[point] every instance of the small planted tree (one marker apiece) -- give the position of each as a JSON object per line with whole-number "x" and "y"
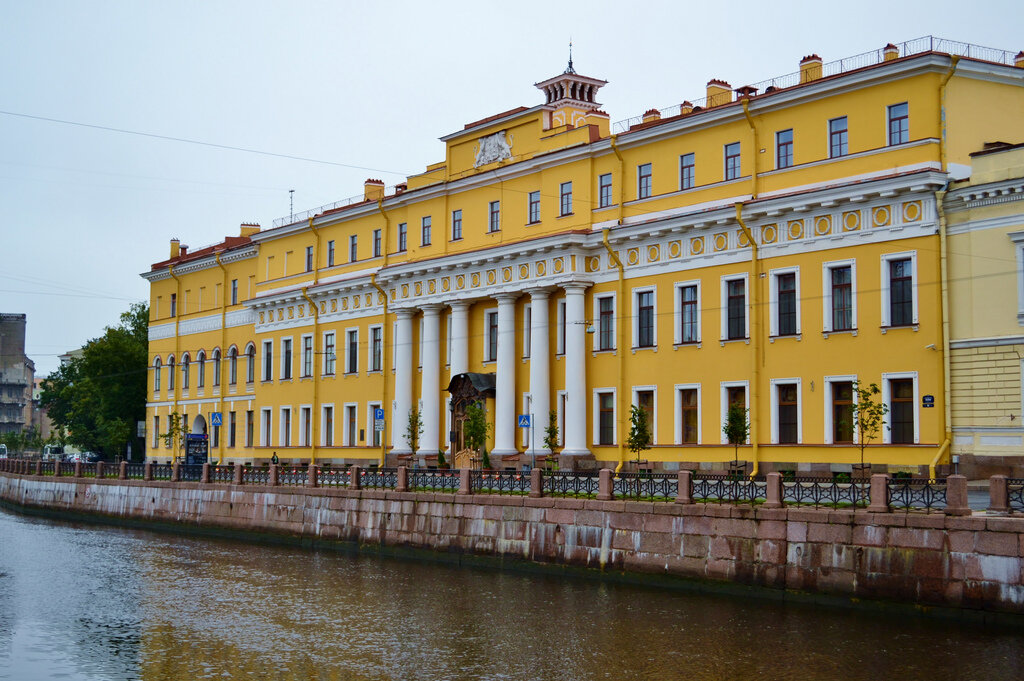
{"x": 475, "y": 429}
{"x": 176, "y": 431}
{"x": 639, "y": 438}
{"x": 736, "y": 428}
{"x": 551, "y": 432}
{"x": 413, "y": 429}
{"x": 868, "y": 414}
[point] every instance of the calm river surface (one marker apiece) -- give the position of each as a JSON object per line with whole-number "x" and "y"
{"x": 96, "y": 603}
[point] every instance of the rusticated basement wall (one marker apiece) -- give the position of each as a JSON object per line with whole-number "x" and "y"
{"x": 961, "y": 562}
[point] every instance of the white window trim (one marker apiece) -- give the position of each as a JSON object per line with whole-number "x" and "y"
{"x": 560, "y": 327}
{"x": 344, "y": 426}
{"x": 773, "y": 297}
{"x": 677, "y": 316}
{"x": 370, "y": 406}
{"x": 527, "y": 338}
{"x": 303, "y": 442}
{"x": 886, "y": 298}
{"x": 323, "y": 425}
{"x": 635, "y": 315}
{"x": 596, "y": 342}
{"x": 725, "y": 279}
{"x": 724, "y": 403}
{"x": 281, "y": 342}
{"x": 487, "y": 333}
{"x": 775, "y": 383}
{"x": 347, "y": 332}
{"x": 302, "y": 360}
{"x": 829, "y": 380}
{"x": 654, "y": 424}
{"x": 596, "y": 416}
{"x": 678, "y": 405}
{"x": 284, "y": 435}
{"x": 156, "y": 431}
{"x": 369, "y": 348}
{"x": 1018, "y": 246}
{"x": 561, "y": 396}
{"x": 325, "y": 358}
{"x": 266, "y": 426}
{"x": 887, "y": 395}
{"x": 263, "y": 368}
{"x": 826, "y": 297}
{"x": 638, "y": 176}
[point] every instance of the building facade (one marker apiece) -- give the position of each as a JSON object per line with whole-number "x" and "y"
{"x": 769, "y": 246}
{"x": 17, "y": 373}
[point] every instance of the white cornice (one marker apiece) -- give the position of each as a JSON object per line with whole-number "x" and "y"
{"x": 987, "y": 194}
{"x": 232, "y": 255}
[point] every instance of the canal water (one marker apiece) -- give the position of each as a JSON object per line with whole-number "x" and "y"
{"x": 86, "y": 602}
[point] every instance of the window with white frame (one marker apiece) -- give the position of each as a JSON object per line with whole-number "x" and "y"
{"x": 734, "y": 393}
{"x": 352, "y": 351}
{"x": 157, "y": 368}
{"x": 533, "y": 208}
{"x": 156, "y": 432}
{"x": 837, "y": 137}
{"x": 899, "y": 289}
{"x": 185, "y": 370}
{"x": 1018, "y": 246}
{"x": 425, "y": 230}
{"x": 645, "y": 328}
{"x": 215, "y": 359}
{"x": 604, "y": 417}
{"x": 371, "y": 425}
{"x": 839, "y": 284}
{"x": 527, "y": 322}
{"x": 265, "y": 429}
{"x": 305, "y": 425}
{"x": 899, "y": 123}
{"x": 376, "y": 347}
{"x": 785, "y": 407}
{"x": 644, "y": 180}
{"x": 285, "y": 434}
{"x": 604, "y": 339}
{"x": 732, "y": 161}
{"x": 268, "y": 360}
{"x": 307, "y": 356}
{"x": 201, "y": 369}
{"x": 565, "y": 198}
{"x": 494, "y": 216}
{"x": 784, "y": 148}
{"x": 376, "y": 243}
{"x": 840, "y": 399}
{"x": 646, "y": 397}
{"x": 784, "y": 301}
{"x": 286, "y": 359}
{"x": 899, "y": 392}
{"x": 350, "y": 425}
{"x": 249, "y": 418}
{"x": 403, "y": 236}
{"x": 604, "y": 190}
{"x": 353, "y": 248}
{"x": 309, "y": 258}
{"x": 735, "y": 315}
{"x": 327, "y": 425}
{"x": 329, "y": 356}
{"x": 330, "y": 253}
{"x": 687, "y": 171}
{"x": 687, "y": 312}
{"x": 688, "y": 414}
{"x": 490, "y": 335}
{"x": 456, "y": 224}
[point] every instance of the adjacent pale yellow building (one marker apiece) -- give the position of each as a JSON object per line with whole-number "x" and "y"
{"x": 767, "y": 245}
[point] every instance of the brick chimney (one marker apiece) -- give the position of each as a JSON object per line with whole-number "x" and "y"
{"x": 249, "y": 228}
{"x": 719, "y": 92}
{"x": 373, "y": 189}
{"x": 686, "y": 107}
{"x": 890, "y": 52}
{"x": 810, "y": 68}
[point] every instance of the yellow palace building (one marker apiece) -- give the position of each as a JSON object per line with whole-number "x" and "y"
{"x": 767, "y": 245}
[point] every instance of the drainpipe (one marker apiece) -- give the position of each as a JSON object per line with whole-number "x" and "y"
{"x": 386, "y": 370}
{"x": 622, "y": 345}
{"x": 755, "y": 336}
{"x": 316, "y": 379}
{"x": 947, "y": 411}
{"x": 177, "y": 347}
{"x": 753, "y": 168}
{"x": 223, "y": 340}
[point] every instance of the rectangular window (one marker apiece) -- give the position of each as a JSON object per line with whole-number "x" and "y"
{"x": 645, "y": 400}
{"x": 330, "y": 253}
{"x": 560, "y": 321}
{"x": 494, "y": 216}
{"x": 534, "y": 208}
{"x": 456, "y": 225}
{"x": 689, "y": 321}
{"x": 786, "y": 413}
{"x": 329, "y": 356}
{"x": 842, "y": 412}
{"x": 265, "y": 428}
{"x": 156, "y": 376}
{"x": 785, "y": 304}
{"x": 328, "y": 427}
{"x": 352, "y": 351}
{"x": 307, "y": 356}
{"x": 735, "y": 308}
{"x": 837, "y": 136}
{"x": 156, "y": 432}
{"x": 249, "y": 425}
{"x": 305, "y": 426}
{"x": 604, "y": 190}
{"x": 492, "y": 336}
{"x": 309, "y": 258}
{"x": 901, "y": 411}
{"x": 353, "y": 248}
{"x": 901, "y": 292}
{"x": 732, "y": 161}
{"x": 174, "y": 304}
{"x": 376, "y": 347}
{"x": 376, "y": 433}
{"x": 234, "y": 292}
{"x": 841, "y": 297}
{"x": 425, "y": 229}
{"x": 899, "y": 124}
{"x": 376, "y": 243}
{"x": 402, "y": 235}
{"x": 644, "y": 181}
{"x": 286, "y": 359}
{"x": 687, "y": 171}
{"x": 784, "y": 148}
{"x": 688, "y": 406}
{"x": 286, "y": 427}
{"x": 606, "y": 323}
{"x": 645, "y": 319}
{"x": 350, "y": 425}
{"x": 268, "y": 360}
{"x": 232, "y": 423}
{"x": 606, "y": 418}
{"x": 250, "y": 364}
{"x": 565, "y": 198}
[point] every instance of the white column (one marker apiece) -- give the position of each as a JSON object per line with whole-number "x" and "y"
{"x": 430, "y": 389}
{"x": 460, "y": 339}
{"x": 403, "y": 382}
{"x": 505, "y": 389}
{"x": 575, "y": 372}
{"x": 540, "y": 361}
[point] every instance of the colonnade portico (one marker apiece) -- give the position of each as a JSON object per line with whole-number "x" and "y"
{"x": 505, "y": 368}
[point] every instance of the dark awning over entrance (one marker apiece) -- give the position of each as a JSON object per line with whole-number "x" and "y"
{"x": 483, "y": 385}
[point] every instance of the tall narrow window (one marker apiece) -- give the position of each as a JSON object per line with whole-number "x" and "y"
{"x": 305, "y": 426}
{"x": 184, "y": 372}
{"x": 328, "y": 426}
{"x": 837, "y": 137}
{"x": 353, "y": 248}
{"x": 402, "y": 235}
{"x": 234, "y": 292}
{"x": 527, "y": 323}
{"x": 688, "y": 326}
{"x": 286, "y": 359}
{"x": 309, "y": 258}
{"x": 307, "y": 356}
{"x": 604, "y": 190}
{"x": 170, "y": 373}
{"x": 376, "y": 243}
{"x": 215, "y": 359}
{"x": 784, "y": 148}
{"x": 174, "y": 304}
{"x": 786, "y": 409}
{"x": 250, "y": 364}
{"x": 560, "y": 318}
{"x": 286, "y": 427}
{"x": 233, "y": 366}
{"x": 376, "y": 433}
{"x": 901, "y": 292}
{"x": 494, "y": 216}
{"x": 350, "y": 426}
{"x": 156, "y": 432}
{"x": 534, "y": 207}
{"x": 645, "y": 400}
{"x": 688, "y": 415}
{"x": 201, "y": 373}
{"x": 376, "y": 347}
{"x": 456, "y": 224}
{"x": 156, "y": 375}
{"x": 268, "y": 360}
{"x": 329, "y": 356}
{"x": 842, "y": 412}
{"x": 330, "y": 253}
{"x": 645, "y": 319}
{"x": 786, "y": 309}
{"x": 425, "y": 229}
{"x": 736, "y": 304}
{"x": 352, "y": 352}
{"x": 249, "y": 424}
{"x": 606, "y": 418}
{"x": 901, "y": 409}
{"x": 606, "y": 323}
{"x": 687, "y": 171}
{"x": 899, "y": 124}
{"x": 232, "y": 427}
{"x": 842, "y": 298}
{"x": 565, "y": 198}
{"x": 732, "y": 161}
{"x": 643, "y": 181}
{"x": 492, "y": 336}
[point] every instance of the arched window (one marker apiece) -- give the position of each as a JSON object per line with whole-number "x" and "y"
{"x": 201, "y": 361}
{"x": 170, "y": 372}
{"x": 250, "y": 363}
{"x": 156, "y": 375}
{"x": 216, "y": 367}
{"x": 184, "y": 371}
{"x": 233, "y": 365}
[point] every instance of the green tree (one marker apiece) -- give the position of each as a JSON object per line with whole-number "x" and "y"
{"x": 98, "y": 398}
{"x": 174, "y": 438}
{"x": 736, "y": 428}
{"x": 868, "y": 414}
{"x": 475, "y": 429}
{"x": 414, "y": 428}
{"x": 639, "y": 438}
{"x": 551, "y": 432}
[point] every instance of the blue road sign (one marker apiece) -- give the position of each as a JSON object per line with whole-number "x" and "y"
{"x": 524, "y": 420}
{"x": 217, "y": 419}
{"x": 378, "y": 414}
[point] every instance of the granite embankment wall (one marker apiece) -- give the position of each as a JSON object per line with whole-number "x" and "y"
{"x": 972, "y": 562}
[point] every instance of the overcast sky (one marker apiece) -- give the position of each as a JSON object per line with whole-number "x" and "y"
{"x": 368, "y": 84}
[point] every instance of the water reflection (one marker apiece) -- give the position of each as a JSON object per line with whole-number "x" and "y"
{"x": 84, "y": 602}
